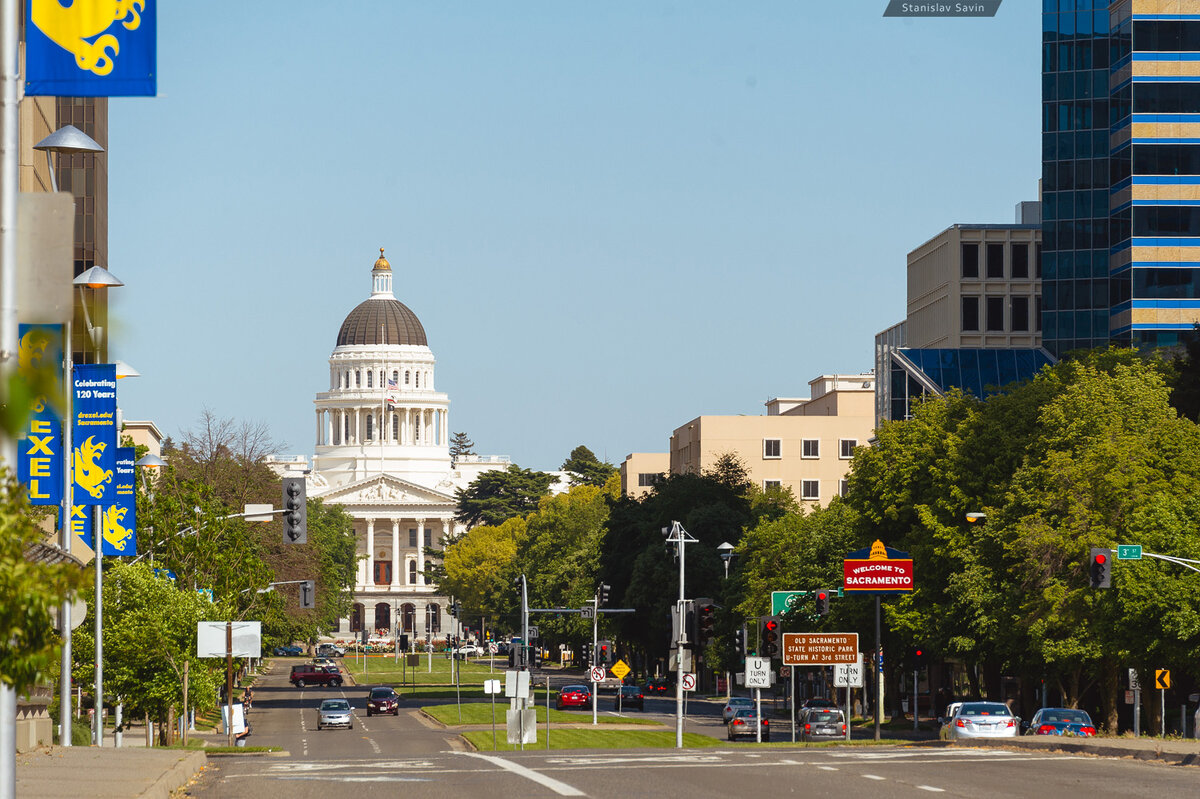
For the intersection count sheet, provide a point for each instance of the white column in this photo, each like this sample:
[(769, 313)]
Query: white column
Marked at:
[(328, 427), (397, 561), (362, 569), (405, 434), (420, 552), (371, 552)]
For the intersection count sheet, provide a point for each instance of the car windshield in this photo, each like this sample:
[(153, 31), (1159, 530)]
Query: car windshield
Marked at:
[(335, 704), (984, 709), (381, 693), (1067, 717), (825, 715)]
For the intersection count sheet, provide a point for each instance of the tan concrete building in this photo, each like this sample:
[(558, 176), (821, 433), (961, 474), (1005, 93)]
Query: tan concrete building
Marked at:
[(641, 471), (802, 444)]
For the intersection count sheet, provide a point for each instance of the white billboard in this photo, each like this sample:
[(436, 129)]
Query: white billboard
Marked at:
[(211, 638)]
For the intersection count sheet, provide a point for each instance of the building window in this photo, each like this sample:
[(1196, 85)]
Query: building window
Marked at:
[(772, 448), (843, 487), (995, 314), (412, 570), (970, 314), (346, 420), (434, 619), (406, 378), (370, 380), (1037, 313), (1020, 260), (428, 537), (395, 426), (1037, 262), (810, 448), (846, 447), (396, 377), (357, 379), (412, 537), (810, 489), (646, 479), (370, 426), (995, 260), (769, 485), (970, 260), (1020, 314), (417, 378)]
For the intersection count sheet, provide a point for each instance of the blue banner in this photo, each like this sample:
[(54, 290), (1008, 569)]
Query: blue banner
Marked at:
[(40, 444), (94, 433), (91, 48), (81, 524), (120, 518)]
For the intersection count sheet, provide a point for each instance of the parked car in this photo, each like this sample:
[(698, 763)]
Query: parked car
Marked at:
[(382, 699), (334, 713), (324, 661), (628, 697), (1061, 721), (331, 651), (821, 724), (735, 704), (573, 696), (743, 723), (980, 720), (308, 674), (289, 651)]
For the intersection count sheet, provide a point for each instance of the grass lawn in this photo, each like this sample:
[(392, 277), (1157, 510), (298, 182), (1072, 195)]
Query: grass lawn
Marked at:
[(481, 713), (593, 739), (384, 669)]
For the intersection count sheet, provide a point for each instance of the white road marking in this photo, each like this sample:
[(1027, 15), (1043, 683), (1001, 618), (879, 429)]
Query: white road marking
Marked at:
[(374, 745), (560, 788), (931, 788), (378, 766), (304, 742), (828, 768), (874, 777), (350, 778), (608, 760)]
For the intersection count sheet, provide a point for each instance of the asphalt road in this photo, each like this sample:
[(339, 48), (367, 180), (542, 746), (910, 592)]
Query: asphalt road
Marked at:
[(411, 755)]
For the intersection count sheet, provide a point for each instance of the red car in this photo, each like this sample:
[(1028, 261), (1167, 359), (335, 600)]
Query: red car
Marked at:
[(383, 700), (574, 696)]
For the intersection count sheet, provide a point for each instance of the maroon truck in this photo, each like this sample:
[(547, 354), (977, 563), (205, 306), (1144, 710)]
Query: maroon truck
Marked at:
[(309, 674)]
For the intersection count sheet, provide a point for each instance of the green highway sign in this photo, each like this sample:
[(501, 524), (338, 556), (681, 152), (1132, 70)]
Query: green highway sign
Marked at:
[(785, 601), (1129, 551)]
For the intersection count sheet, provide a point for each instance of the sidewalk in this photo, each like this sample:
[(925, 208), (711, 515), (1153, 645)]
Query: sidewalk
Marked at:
[(1182, 752), (56, 772)]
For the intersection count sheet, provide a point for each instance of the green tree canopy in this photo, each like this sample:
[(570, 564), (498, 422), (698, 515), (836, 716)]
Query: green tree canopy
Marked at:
[(586, 468), (501, 494)]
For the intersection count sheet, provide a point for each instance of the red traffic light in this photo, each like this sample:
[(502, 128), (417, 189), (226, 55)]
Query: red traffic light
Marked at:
[(919, 653), (1101, 558), (822, 595), (771, 625)]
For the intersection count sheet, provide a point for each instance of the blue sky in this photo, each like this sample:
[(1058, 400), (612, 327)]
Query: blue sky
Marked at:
[(610, 217)]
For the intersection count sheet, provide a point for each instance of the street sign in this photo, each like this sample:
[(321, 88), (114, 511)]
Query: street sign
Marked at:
[(533, 632), (493, 648), (587, 612), (848, 675), (879, 569), (819, 649), (1134, 685), (597, 673), (620, 669), (491, 686), (785, 671), (1129, 551), (1129, 697), (1162, 679), (783, 601), (758, 672), (689, 682)]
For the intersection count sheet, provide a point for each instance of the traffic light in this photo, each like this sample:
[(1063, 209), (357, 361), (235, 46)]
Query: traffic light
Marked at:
[(1100, 570), (769, 639), (918, 658), (295, 517), (822, 602), (605, 653), (586, 653), (308, 594), (602, 593), (706, 619), (739, 643), (454, 610)]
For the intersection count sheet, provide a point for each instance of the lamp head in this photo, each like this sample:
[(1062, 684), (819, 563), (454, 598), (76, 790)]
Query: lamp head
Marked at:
[(97, 278), (68, 139)]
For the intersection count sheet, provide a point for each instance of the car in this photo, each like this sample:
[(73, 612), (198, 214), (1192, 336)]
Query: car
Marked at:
[(735, 704), (980, 720), (744, 722), (629, 696), (502, 648), (331, 651), (308, 674), (288, 651), (323, 661), (468, 651), (382, 699), (334, 713), (1061, 721), (573, 696), (656, 687), (821, 723), (819, 702)]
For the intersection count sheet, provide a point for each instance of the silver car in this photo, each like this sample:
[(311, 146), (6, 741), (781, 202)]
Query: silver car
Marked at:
[(735, 704), (334, 713), (981, 720)]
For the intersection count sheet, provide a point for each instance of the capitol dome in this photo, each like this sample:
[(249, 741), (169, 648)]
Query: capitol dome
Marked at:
[(381, 319)]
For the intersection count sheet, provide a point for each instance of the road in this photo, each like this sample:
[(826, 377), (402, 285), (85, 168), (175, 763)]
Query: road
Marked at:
[(411, 754)]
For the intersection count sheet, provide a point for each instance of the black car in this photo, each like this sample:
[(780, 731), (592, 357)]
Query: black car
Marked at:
[(288, 651), (630, 696), (656, 687)]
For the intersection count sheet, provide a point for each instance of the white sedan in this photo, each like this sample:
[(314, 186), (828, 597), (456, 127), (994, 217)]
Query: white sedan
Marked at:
[(981, 720), (468, 651), (735, 704)]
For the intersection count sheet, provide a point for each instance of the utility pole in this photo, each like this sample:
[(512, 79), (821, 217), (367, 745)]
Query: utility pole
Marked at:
[(675, 534)]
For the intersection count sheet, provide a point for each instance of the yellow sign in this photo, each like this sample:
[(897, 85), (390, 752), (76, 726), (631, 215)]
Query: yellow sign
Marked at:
[(1162, 678), (620, 669)]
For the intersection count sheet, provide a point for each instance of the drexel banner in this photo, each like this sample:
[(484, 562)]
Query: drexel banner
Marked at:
[(94, 433), (91, 48), (119, 519), (40, 445)]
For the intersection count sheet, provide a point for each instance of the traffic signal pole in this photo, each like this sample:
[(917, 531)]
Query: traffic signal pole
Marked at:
[(596, 652)]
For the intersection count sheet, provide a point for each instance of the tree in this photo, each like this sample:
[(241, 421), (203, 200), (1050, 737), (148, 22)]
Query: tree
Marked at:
[(498, 495), (460, 447), (479, 568), (586, 468)]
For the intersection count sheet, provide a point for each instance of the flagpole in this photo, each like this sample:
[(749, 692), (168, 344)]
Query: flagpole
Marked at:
[(383, 401)]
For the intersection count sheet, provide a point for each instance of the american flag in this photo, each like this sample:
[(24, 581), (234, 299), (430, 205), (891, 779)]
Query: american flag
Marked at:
[(392, 385)]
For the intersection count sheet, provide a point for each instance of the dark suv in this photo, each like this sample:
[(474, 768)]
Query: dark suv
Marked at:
[(309, 674)]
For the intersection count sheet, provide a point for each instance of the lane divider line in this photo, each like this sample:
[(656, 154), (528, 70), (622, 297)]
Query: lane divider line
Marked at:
[(931, 788), (560, 788)]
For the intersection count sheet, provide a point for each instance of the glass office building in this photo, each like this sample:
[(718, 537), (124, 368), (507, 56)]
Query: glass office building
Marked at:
[(1120, 173)]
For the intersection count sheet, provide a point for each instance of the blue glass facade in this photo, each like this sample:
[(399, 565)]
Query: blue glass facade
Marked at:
[(913, 373)]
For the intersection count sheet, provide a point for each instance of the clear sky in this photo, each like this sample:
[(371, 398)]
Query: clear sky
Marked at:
[(611, 217)]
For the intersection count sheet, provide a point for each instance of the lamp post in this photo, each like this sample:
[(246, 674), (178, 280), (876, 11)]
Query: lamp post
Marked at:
[(725, 550), (675, 534), (66, 140)]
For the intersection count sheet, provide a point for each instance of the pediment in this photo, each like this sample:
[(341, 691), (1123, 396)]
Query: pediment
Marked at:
[(386, 490)]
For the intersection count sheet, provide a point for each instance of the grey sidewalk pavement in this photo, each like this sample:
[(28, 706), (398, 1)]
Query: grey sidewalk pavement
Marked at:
[(58, 772)]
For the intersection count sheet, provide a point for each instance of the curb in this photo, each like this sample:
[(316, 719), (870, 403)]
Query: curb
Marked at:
[(1099, 750), (176, 777)]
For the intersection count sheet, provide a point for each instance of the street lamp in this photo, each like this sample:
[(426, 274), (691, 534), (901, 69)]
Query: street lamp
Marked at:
[(66, 140), (725, 549), (675, 534), (976, 516)]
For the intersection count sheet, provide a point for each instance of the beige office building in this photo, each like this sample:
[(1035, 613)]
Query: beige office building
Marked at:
[(802, 444), (641, 471)]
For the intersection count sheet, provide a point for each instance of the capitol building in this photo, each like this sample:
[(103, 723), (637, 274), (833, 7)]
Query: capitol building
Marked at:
[(383, 454)]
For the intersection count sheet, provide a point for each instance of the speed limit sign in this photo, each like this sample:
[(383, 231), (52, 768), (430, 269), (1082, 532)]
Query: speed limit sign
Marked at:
[(597, 674)]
